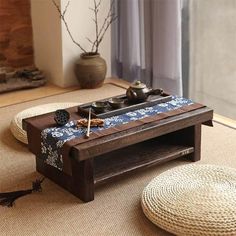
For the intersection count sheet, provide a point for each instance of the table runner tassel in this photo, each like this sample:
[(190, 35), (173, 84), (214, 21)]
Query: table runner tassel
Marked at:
[(9, 198)]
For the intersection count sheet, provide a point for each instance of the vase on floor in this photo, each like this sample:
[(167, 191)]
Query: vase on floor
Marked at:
[(90, 70)]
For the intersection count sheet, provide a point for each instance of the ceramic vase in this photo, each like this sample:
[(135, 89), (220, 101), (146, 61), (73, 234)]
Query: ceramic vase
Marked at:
[(90, 70)]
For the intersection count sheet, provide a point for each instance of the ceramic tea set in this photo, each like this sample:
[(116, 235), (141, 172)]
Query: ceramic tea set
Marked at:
[(138, 92)]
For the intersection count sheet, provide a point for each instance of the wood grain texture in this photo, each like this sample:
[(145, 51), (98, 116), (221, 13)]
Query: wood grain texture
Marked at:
[(83, 179), (135, 157), (98, 160), (196, 156), (81, 184), (140, 133)]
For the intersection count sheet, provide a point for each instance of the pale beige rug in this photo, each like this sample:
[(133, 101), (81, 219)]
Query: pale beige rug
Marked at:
[(116, 209)]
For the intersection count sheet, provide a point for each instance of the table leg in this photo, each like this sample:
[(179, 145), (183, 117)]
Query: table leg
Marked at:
[(83, 180), (81, 183), (196, 141)]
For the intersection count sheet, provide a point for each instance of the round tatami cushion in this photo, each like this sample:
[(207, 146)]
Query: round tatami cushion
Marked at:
[(16, 123), (193, 200)]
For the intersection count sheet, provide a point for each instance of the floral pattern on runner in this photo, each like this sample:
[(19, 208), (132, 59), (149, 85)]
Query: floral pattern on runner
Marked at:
[(53, 139)]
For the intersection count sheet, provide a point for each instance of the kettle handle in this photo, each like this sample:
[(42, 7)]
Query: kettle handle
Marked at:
[(134, 95), (131, 94)]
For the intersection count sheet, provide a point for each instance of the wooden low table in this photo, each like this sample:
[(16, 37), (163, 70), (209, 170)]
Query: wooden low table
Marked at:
[(99, 160)]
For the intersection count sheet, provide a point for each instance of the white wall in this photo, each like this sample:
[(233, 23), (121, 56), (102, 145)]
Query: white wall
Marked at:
[(79, 18), (213, 54), (55, 53), (47, 40)]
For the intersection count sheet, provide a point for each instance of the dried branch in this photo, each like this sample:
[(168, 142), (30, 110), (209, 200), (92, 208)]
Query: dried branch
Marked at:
[(99, 3), (105, 30), (90, 40), (109, 14), (109, 19), (65, 10), (62, 16), (95, 10)]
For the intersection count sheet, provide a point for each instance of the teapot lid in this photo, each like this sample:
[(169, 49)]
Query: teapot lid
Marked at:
[(138, 85)]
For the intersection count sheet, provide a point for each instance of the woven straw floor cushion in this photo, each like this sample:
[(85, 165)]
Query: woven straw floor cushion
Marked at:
[(16, 123), (193, 200)]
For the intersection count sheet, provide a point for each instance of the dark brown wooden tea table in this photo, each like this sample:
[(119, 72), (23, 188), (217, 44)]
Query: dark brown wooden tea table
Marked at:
[(99, 160)]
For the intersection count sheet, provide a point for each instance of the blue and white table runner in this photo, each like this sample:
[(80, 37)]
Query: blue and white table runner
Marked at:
[(53, 139)]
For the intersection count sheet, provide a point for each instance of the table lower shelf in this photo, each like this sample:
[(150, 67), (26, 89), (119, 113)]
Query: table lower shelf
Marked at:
[(144, 154), (97, 170)]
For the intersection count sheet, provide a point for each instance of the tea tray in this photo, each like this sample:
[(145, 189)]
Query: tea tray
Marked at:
[(127, 107)]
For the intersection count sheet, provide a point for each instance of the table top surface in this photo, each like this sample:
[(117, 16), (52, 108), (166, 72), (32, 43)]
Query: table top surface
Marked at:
[(118, 140)]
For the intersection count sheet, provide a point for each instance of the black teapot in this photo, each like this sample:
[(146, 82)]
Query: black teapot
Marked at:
[(139, 92)]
